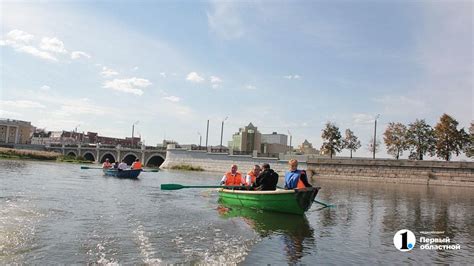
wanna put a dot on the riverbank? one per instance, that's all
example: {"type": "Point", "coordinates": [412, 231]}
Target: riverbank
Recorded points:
{"type": "Point", "coordinates": [7, 153]}
{"type": "Point", "coordinates": [379, 170]}
{"type": "Point", "coordinates": [17, 154]}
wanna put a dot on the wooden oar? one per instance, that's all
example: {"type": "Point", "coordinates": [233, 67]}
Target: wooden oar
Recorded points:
{"type": "Point", "coordinates": [324, 204]}
{"type": "Point", "coordinates": [100, 168]}
{"type": "Point", "coordinates": [178, 186]}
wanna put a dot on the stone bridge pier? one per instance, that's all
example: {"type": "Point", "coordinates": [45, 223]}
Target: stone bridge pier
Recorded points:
{"type": "Point", "coordinates": [148, 157]}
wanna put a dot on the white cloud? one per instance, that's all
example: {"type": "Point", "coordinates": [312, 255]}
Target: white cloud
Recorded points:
{"type": "Point", "coordinates": [215, 81]}
{"type": "Point", "coordinates": [172, 98]}
{"type": "Point", "coordinates": [79, 54]}
{"type": "Point", "coordinates": [135, 68]}
{"type": "Point", "coordinates": [225, 20]}
{"type": "Point", "coordinates": [19, 36]}
{"type": "Point", "coordinates": [53, 45]}
{"type": "Point", "coordinates": [295, 76]}
{"type": "Point", "coordinates": [194, 77]}
{"type": "Point", "coordinates": [363, 118]}
{"type": "Point", "coordinates": [250, 87]}
{"type": "Point", "coordinates": [22, 104]}
{"type": "Point", "coordinates": [19, 40]}
{"type": "Point", "coordinates": [163, 74]}
{"type": "Point", "coordinates": [35, 52]}
{"type": "Point", "coordinates": [4, 113]}
{"type": "Point", "coordinates": [131, 85]}
{"type": "Point", "coordinates": [45, 88]}
{"type": "Point", "coordinates": [108, 72]}
{"type": "Point", "coordinates": [401, 105]}
{"type": "Point", "coordinates": [82, 106]}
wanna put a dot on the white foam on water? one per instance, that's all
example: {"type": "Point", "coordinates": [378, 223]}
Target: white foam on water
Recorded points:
{"type": "Point", "coordinates": [18, 220]}
{"type": "Point", "coordinates": [145, 247]}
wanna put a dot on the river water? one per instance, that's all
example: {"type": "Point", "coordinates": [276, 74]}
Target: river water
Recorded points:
{"type": "Point", "coordinates": [57, 213]}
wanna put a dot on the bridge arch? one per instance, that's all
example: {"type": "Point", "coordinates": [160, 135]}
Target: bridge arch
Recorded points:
{"type": "Point", "coordinates": [71, 154]}
{"type": "Point", "coordinates": [89, 156]}
{"type": "Point", "coordinates": [155, 160]}
{"type": "Point", "coordinates": [130, 157]}
{"type": "Point", "coordinates": [109, 156]}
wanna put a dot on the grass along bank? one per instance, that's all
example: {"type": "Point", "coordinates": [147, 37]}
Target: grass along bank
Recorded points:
{"type": "Point", "coordinates": [7, 153]}
{"type": "Point", "coordinates": [186, 167]}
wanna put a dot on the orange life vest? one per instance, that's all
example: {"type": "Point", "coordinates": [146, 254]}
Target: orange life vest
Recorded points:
{"type": "Point", "coordinates": [300, 183]}
{"type": "Point", "coordinates": [233, 180]}
{"type": "Point", "coordinates": [136, 165]}
{"type": "Point", "coordinates": [253, 177]}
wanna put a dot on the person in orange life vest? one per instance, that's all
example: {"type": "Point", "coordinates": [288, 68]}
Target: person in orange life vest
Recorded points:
{"type": "Point", "coordinates": [136, 165]}
{"type": "Point", "coordinates": [252, 175]}
{"type": "Point", "coordinates": [295, 178]}
{"type": "Point", "coordinates": [107, 164]}
{"type": "Point", "coordinates": [232, 178]}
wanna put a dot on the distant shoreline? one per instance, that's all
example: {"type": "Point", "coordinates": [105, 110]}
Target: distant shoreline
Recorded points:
{"type": "Point", "coordinates": [20, 154]}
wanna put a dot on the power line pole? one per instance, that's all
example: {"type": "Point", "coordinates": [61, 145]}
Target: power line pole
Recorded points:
{"type": "Point", "coordinates": [207, 132]}
{"type": "Point", "coordinates": [375, 136]}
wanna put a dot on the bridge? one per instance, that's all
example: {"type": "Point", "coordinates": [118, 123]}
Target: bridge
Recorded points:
{"type": "Point", "coordinates": [149, 156]}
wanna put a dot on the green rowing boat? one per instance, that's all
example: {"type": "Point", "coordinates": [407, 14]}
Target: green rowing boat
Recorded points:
{"type": "Point", "coordinates": [295, 201]}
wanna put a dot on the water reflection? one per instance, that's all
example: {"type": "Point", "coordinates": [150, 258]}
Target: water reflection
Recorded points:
{"type": "Point", "coordinates": [294, 230]}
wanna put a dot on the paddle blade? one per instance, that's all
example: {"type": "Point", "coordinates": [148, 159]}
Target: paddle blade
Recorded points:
{"type": "Point", "coordinates": [171, 186]}
{"type": "Point", "coordinates": [87, 167]}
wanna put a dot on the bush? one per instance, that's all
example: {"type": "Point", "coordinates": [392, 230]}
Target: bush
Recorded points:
{"type": "Point", "coordinates": [186, 167]}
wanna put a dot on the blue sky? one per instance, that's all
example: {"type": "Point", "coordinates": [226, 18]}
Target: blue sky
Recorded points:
{"type": "Point", "coordinates": [282, 65]}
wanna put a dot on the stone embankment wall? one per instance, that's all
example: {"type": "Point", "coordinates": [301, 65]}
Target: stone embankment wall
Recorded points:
{"type": "Point", "coordinates": [379, 170]}
{"type": "Point", "coordinates": [395, 171]}
{"type": "Point", "coordinates": [220, 162]}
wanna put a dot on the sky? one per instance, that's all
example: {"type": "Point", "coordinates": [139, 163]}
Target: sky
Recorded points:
{"type": "Point", "coordinates": [285, 66]}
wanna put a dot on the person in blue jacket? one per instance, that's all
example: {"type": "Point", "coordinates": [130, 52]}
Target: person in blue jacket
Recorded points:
{"type": "Point", "coordinates": [295, 178]}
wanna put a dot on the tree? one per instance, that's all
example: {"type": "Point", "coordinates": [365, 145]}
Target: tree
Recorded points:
{"type": "Point", "coordinates": [370, 146]}
{"type": "Point", "coordinates": [395, 139]}
{"type": "Point", "coordinates": [350, 142]}
{"type": "Point", "coordinates": [333, 139]}
{"type": "Point", "coordinates": [469, 150]}
{"type": "Point", "coordinates": [420, 139]}
{"type": "Point", "coordinates": [448, 138]}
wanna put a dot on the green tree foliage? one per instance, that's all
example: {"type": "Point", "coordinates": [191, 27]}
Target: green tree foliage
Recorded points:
{"type": "Point", "coordinates": [469, 150]}
{"type": "Point", "coordinates": [395, 139]}
{"type": "Point", "coordinates": [350, 142]}
{"type": "Point", "coordinates": [448, 138]}
{"type": "Point", "coordinates": [421, 140]}
{"type": "Point", "coordinates": [332, 139]}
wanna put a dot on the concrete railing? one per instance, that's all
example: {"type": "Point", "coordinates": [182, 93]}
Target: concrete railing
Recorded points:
{"type": "Point", "coordinates": [396, 171]}
{"type": "Point", "coordinates": [381, 170]}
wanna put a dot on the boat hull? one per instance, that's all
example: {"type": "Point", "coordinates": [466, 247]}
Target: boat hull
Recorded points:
{"type": "Point", "coordinates": [296, 201]}
{"type": "Point", "coordinates": [132, 174]}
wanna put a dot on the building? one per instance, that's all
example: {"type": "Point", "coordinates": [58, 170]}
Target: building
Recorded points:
{"type": "Point", "coordinates": [307, 148]}
{"type": "Point", "coordinates": [15, 131]}
{"type": "Point", "coordinates": [273, 144]}
{"type": "Point", "coordinates": [41, 137]}
{"type": "Point", "coordinates": [247, 140]}
{"type": "Point", "coordinates": [275, 138]}
{"type": "Point", "coordinates": [74, 138]}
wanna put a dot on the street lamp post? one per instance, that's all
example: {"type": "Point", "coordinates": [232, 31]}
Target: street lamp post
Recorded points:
{"type": "Point", "coordinates": [200, 138]}
{"type": "Point", "coordinates": [375, 136]}
{"type": "Point", "coordinates": [207, 132]}
{"type": "Point", "coordinates": [133, 130]}
{"type": "Point", "coordinates": [289, 148]}
{"type": "Point", "coordinates": [222, 131]}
